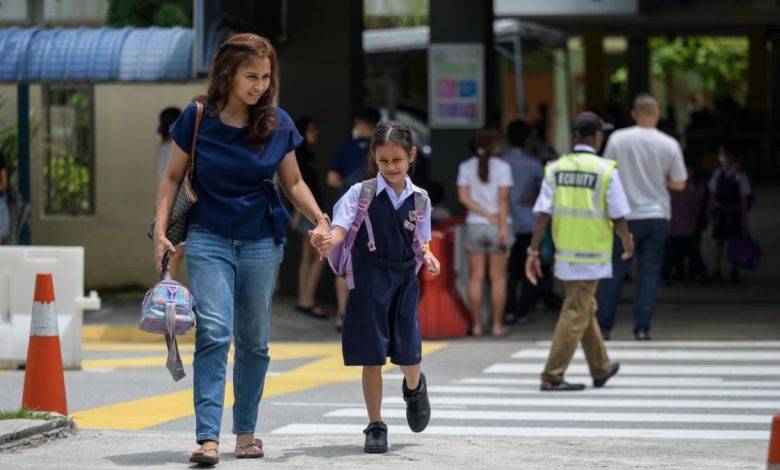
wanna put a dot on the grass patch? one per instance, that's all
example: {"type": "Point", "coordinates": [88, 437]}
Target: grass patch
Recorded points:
{"type": "Point", "coordinates": [25, 414]}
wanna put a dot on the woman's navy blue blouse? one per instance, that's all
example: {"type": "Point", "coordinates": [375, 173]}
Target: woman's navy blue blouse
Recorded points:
{"type": "Point", "coordinates": [234, 181]}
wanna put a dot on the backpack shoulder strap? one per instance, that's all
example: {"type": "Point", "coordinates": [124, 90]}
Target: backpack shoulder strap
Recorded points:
{"type": "Point", "coordinates": [367, 193]}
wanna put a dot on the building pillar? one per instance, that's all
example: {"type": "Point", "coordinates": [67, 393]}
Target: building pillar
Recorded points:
{"type": "Point", "coordinates": [775, 81]}
{"type": "Point", "coordinates": [321, 76]}
{"type": "Point", "coordinates": [594, 70]}
{"type": "Point", "coordinates": [321, 69]}
{"type": "Point", "coordinates": [638, 58]}
{"type": "Point", "coordinates": [758, 75]}
{"type": "Point", "coordinates": [464, 22]}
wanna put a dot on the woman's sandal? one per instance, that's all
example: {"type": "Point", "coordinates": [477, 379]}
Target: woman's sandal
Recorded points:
{"type": "Point", "coordinates": [242, 452]}
{"type": "Point", "coordinates": [313, 311]}
{"type": "Point", "coordinates": [205, 456]}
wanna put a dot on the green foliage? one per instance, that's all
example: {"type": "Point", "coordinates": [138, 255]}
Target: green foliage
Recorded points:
{"type": "Point", "coordinates": [143, 13]}
{"type": "Point", "coordinates": [25, 414]}
{"type": "Point", "coordinates": [9, 147]}
{"type": "Point", "coordinates": [404, 14]}
{"type": "Point", "coordinates": [68, 186]}
{"type": "Point", "coordinates": [721, 62]}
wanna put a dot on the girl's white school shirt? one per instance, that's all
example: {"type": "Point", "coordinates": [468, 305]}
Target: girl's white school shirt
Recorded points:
{"type": "Point", "coordinates": [346, 208]}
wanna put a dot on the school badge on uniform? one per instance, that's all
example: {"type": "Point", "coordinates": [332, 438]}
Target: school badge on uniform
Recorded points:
{"type": "Point", "coordinates": [412, 216]}
{"type": "Point", "coordinates": [408, 226]}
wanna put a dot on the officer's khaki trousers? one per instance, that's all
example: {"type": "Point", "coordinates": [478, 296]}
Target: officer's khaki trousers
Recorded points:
{"type": "Point", "coordinates": [577, 323]}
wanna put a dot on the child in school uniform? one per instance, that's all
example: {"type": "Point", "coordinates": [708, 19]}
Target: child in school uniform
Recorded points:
{"type": "Point", "coordinates": [381, 317]}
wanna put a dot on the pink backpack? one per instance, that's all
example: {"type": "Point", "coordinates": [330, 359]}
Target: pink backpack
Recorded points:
{"type": "Point", "coordinates": [340, 258]}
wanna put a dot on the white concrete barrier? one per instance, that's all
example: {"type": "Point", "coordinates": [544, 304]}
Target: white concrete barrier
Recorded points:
{"type": "Point", "coordinates": [18, 267]}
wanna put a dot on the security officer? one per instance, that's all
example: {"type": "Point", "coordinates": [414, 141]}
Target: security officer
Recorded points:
{"type": "Point", "coordinates": [583, 196]}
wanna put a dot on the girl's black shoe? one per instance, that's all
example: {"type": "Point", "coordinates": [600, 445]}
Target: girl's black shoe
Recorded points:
{"type": "Point", "coordinates": [418, 408]}
{"type": "Point", "coordinates": [376, 438]}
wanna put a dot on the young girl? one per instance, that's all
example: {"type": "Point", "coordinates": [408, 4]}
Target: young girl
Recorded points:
{"type": "Point", "coordinates": [381, 314]}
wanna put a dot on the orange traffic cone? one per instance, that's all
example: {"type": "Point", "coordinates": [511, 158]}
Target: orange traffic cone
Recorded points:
{"type": "Point", "coordinates": [44, 380]}
{"type": "Point", "coordinates": [773, 461]}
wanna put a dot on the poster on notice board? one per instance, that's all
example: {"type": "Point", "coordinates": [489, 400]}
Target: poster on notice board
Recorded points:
{"type": "Point", "coordinates": [456, 90]}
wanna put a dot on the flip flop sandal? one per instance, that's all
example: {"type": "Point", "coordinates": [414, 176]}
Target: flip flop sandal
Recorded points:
{"type": "Point", "coordinates": [200, 456]}
{"type": "Point", "coordinates": [242, 452]}
{"type": "Point", "coordinates": [313, 311]}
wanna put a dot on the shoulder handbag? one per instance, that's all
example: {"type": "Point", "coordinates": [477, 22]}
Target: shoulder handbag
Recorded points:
{"type": "Point", "coordinates": [176, 232]}
{"type": "Point", "coordinates": [168, 309]}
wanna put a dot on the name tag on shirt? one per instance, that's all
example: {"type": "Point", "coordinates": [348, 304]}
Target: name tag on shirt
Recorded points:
{"type": "Point", "coordinates": [408, 225]}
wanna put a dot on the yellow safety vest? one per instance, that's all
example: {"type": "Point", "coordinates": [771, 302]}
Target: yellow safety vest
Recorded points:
{"type": "Point", "coordinates": [582, 230]}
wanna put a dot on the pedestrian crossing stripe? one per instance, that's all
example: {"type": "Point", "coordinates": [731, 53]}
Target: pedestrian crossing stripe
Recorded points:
{"type": "Point", "coordinates": [694, 344]}
{"type": "Point", "coordinates": [575, 416]}
{"type": "Point", "coordinates": [691, 383]}
{"type": "Point", "coordinates": [644, 369]}
{"type": "Point", "coordinates": [560, 399]}
{"type": "Point", "coordinates": [563, 432]}
{"type": "Point", "coordinates": [666, 355]}
{"type": "Point", "coordinates": [610, 390]}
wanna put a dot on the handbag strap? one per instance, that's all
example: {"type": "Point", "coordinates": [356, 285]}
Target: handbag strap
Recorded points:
{"type": "Point", "coordinates": [198, 116]}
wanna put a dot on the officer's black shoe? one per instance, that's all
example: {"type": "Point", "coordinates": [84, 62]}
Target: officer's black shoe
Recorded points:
{"type": "Point", "coordinates": [376, 438]}
{"type": "Point", "coordinates": [418, 408]}
{"type": "Point", "coordinates": [560, 387]}
{"type": "Point", "coordinates": [612, 371]}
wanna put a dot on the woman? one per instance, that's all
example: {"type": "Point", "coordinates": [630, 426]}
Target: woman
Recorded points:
{"type": "Point", "coordinates": [236, 230]}
{"type": "Point", "coordinates": [484, 181]}
{"type": "Point", "coordinates": [310, 266]}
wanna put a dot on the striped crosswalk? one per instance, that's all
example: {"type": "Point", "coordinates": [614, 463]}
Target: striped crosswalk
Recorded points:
{"type": "Point", "coordinates": [716, 390]}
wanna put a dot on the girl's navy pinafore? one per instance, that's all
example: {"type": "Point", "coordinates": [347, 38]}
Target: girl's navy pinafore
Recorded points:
{"type": "Point", "coordinates": [381, 317]}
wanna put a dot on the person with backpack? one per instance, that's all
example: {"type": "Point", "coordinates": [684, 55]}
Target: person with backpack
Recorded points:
{"type": "Point", "coordinates": [379, 240]}
{"type": "Point", "coordinates": [730, 194]}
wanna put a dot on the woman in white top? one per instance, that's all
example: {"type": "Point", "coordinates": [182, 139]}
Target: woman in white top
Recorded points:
{"type": "Point", "coordinates": [483, 188]}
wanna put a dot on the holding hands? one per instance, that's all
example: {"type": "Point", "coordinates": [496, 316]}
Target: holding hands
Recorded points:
{"type": "Point", "coordinates": [322, 240]}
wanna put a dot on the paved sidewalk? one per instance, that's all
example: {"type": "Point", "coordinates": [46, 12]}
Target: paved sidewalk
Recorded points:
{"type": "Point", "coordinates": [160, 450]}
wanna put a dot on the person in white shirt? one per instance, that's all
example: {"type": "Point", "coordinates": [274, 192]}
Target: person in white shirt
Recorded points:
{"type": "Point", "coordinates": [575, 264]}
{"type": "Point", "coordinates": [484, 181]}
{"type": "Point", "coordinates": [651, 163]}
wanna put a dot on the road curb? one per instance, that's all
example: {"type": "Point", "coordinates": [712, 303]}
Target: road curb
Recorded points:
{"type": "Point", "coordinates": [22, 430]}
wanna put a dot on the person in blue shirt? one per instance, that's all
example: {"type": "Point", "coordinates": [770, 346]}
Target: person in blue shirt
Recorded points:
{"type": "Point", "coordinates": [346, 170]}
{"type": "Point", "coordinates": [381, 315]}
{"type": "Point", "coordinates": [236, 231]}
{"type": "Point", "coordinates": [527, 176]}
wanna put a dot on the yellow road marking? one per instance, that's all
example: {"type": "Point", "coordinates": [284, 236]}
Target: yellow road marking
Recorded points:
{"type": "Point", "coordinates": [147, 412]}
{"type": "Point", "coordinates": [125, 334]}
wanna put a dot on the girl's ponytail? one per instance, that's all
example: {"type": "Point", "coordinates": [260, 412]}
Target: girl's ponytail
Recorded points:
{"type": "Point", "coordinates": [484, 144]}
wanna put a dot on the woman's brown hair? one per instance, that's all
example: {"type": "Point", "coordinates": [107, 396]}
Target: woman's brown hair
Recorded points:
{"type": "Point", "coordinates": [232, 54]}
{"type": "Point", "coordinates": [484, 143]}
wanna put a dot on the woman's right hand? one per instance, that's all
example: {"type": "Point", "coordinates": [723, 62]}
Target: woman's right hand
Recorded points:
{"type": "Point", "coordinates": [161, 245]}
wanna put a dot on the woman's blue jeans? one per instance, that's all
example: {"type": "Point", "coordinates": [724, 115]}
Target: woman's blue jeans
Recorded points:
{"type": "Point", "coordinates": [232, 282]}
